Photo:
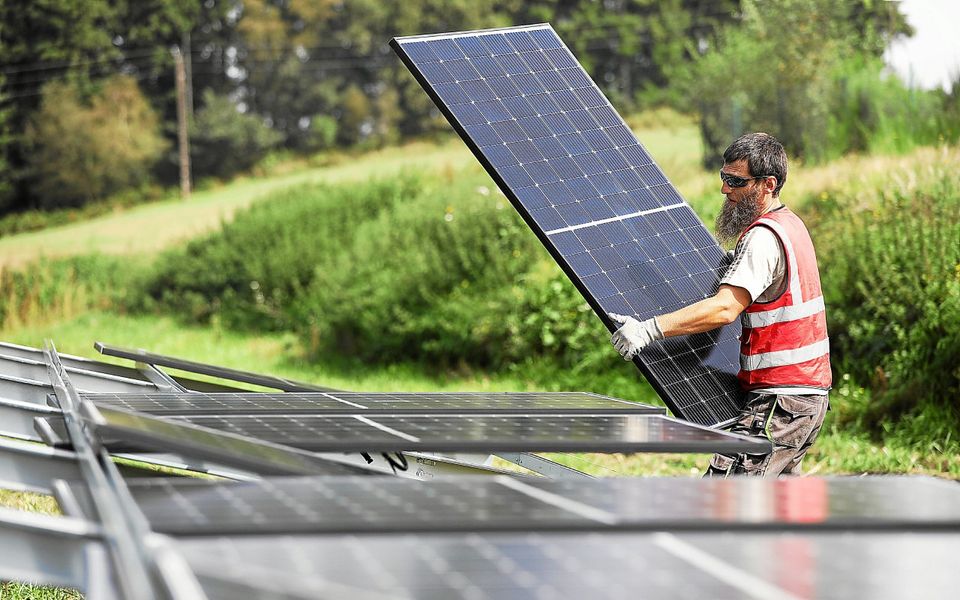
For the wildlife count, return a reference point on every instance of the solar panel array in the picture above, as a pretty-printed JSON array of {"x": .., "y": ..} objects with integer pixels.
[
  {"x": 579, "y": 177},
  {"x": 290, "y": 403}
]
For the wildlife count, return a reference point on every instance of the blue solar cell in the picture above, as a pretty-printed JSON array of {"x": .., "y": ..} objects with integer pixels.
[
  {"x": 436, "y": 73},
  {"x": 504, "y": 87},
  {"x": 558, "y": 122},
  {"x": 493, "y": 110},
  {"x": 547, "y": 218},
  {"x": 643, "y": 199},
  {"x": 467, "y": 114},
  {"x": 509, "y": 131},
  {"x": 496, "y": 43},
  {"x": 472, "y": 47},
  {"x": 592, "y": 238},
  {"x": 564, "y": 165},
  {"x": 605, "y": 116},
  {"x": 615, "y": 304},
  {"x": 612, "y": 160},
  {"x": 545, "y": 106},
  {"x": 582, "y": 120},
  {"x": 706, "y": 282},
  {"x": 686, "y": 219},
  {"x": 632, "y": 254},
  {"x": 487, "y": 66},
  {"x": 692, "y": 262},
  {"x": 639, "y": 228},
  {"x": 605, "y": 184},
  {"x": 666, "y": 194},
  {"x": 589, "y": 163},
  {"x": 573, "y": 213},
  {"x": 483, "y": 134},
  {"x": 567, "y": 100},
  {"x": 574, "y": 143},
  {"x": 533, "y": 197},
  {"x": 600, "y": 284},
  {"x": 677, "y": 242},
  {"x": 451, "y": 93},
  {"x": 651, "y": 174},
  {"x": 551, "y": 81},
  {"x": 576, "y": 78},
  {"x": 525, "y": 151},
  {"x": 519, "y": 107},
  {"x": 684, "y": 287},
  {"x": 713, "y": 255},
  {"x": 516, "y": 176},
  {"x": 499, "y": 156},
  {"x": 446, "y": 49},
  {"x": 477, "y": 91},
  {"x": 559, "y": 193},
  {"x": 583, "y": 264},
  {"x": 701, "y": 239},
  {"x": 629, "y": 179},
  {"x": 582, "y": 188},
  {"x": 420, "y": 52},
  {"x": 661, "y": 221},
  {"x": 567, "y": 243},
  {"x": 542, "y": 173},
  {"x": 654, "y": 247},
  {"x": 528, "y": 83},
  {"x": 622, "y": 204},
  {"x": 536, "y": 61},
  {"x": 608, "y": 259},
  {"x": 561, "y": 58},
  {"x": 546, "y": 38},
  {"x": 590, "y": 97},
  {"x": 615, "y": 232},
  {"x": 598, "y": 139},
  {"x": 622, "y": 137},
  {"x": 512, "y": 64},
  {"x": 636, "y": 155},
  {"x": 671, "y": 268},
  {"x": 534, "y": 127},
  {"x": 625, "y": 279},
  {"x": 599, "y": 210},
  {"x": 461, "y": 69},
  {"x": 522, "y": 41}
]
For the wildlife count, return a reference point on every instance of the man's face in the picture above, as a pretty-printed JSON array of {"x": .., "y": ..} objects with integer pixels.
[{"x": 742, "y": 206}]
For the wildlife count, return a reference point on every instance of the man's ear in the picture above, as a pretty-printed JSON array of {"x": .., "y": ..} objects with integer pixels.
[{"x": 770, "y": 184}]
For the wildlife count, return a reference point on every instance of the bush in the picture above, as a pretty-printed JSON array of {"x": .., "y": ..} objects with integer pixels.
[
  {"x": 224, "y": 141},
  {"x": 892, "y": 287},
  {"x": 85, "y": 150}
]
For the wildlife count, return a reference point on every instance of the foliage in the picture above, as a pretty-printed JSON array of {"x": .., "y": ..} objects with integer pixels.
[
  {"x": 224, "y": 141},
  {"x": 86, "y": 150},
  {"x": 893, "y": 292}
]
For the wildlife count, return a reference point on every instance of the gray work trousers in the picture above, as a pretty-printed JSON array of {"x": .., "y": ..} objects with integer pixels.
[{"x": 792, "y": 423}]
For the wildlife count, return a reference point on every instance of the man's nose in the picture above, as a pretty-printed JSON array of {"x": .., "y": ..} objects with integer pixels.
[{"x": 725, "y": 189}]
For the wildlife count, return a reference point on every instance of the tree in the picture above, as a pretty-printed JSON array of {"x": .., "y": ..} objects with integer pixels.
[{"x": 81, "y": 150}]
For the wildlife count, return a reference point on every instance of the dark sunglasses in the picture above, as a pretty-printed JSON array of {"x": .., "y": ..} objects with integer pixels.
[{"x": 738, "y": 182}]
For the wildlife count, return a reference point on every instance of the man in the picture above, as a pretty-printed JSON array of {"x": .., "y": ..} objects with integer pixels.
[{"x": 773, "y": 284}]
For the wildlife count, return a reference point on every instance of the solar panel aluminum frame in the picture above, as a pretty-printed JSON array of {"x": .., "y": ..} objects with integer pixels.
[{"x": 397, "y": 45}]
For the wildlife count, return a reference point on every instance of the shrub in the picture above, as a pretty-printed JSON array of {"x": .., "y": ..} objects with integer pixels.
[
  {"x": 83, "y": 150},
  {"x": 892, "y": 286},
  {"x": 224, "y": 141}
]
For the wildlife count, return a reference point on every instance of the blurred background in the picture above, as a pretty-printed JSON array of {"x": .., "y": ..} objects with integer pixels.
[{"x": 335, "y": 229}]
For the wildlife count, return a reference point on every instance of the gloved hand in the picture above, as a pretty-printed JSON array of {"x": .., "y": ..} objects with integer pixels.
[{"x": 633, "y": 335}]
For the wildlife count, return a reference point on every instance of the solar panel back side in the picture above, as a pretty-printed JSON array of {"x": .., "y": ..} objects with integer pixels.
[{"x": 580, "y": 179}]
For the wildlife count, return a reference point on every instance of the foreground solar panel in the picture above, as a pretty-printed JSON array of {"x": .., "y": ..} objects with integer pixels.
[
  {"x": 192, "y": 507},
  {"x": 290, "y": 403},
  {"x": 608, "y": 565},
  {"x": 591, "y": 192},
  {"x": 481, "y": 433}
]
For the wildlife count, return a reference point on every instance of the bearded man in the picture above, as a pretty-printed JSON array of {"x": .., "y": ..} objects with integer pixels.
[{"x": 773, "y": 285}]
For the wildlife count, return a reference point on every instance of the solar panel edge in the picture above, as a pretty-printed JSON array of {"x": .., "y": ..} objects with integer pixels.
[{"x": 543, "y": 236}]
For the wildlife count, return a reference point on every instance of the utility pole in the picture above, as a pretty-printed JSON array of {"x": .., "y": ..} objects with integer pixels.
[{"x": 182, "y": 140}]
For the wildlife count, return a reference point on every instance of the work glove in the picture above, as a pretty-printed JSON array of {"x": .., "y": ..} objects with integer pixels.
[{"x": 633, "y": 335}]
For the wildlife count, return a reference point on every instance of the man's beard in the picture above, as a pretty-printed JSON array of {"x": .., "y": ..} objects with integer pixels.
[{"x": 734, "y": 217}]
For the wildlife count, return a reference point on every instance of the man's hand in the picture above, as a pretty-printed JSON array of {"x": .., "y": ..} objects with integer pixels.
[{"x": 633, "y": 335}]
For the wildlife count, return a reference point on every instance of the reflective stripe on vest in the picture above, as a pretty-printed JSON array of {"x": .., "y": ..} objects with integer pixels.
[
  {"x": 783, "y": 314},
  {"x": 783, "y": 358}
]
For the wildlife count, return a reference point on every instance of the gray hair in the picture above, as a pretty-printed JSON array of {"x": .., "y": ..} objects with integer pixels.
[{"x": 765, "y": 156}]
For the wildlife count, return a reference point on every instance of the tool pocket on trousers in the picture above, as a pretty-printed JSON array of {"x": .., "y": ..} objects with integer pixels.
[{"x": 792, "y": 420}]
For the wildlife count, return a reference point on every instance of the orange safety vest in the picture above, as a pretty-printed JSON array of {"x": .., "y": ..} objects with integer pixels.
[{"x": 784, "y": 342}]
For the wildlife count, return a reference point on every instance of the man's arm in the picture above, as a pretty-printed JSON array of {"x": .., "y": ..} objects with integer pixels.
[{"x": 720, "y": 309}]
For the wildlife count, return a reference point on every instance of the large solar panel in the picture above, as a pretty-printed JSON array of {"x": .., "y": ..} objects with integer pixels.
[
  {"x": 483, "y": 433},
  {"x": 594, "y": 196},
  {"x": 604, "y": 565},
  {"x": 290, "y": 403},
  {"x": 191, "y": 507}
]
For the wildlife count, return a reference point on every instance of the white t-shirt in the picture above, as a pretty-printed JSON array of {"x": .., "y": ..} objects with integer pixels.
[{"x": 759, "y": 266}]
